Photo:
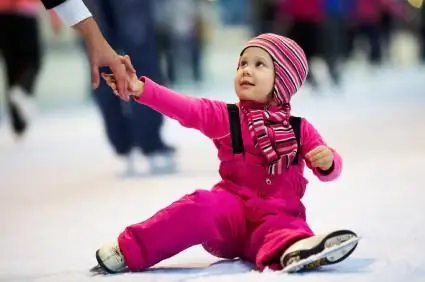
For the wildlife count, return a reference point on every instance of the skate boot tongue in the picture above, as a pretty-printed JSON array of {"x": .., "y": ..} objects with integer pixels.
[{"x": 110, "y": 258}]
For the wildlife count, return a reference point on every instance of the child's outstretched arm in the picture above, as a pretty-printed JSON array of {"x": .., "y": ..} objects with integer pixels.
[
  {"x": 208, "y": 116},
  {"x": 324, "y": 161}
]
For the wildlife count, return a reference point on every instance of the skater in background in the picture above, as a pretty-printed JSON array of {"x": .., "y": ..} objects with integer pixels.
[
  {"x": 130, "y": 125},
  {"x": 332, "y": 43},
  {"x": 304, "y": 22},
  {"x": 234, "y": 12},
  {"x": 179, "y": 25},
  {"x": 263, "y": 15},
  {"x": 365, "y": 19},
  {"x": 422, "y": 33},
  {"x": 20, "y": 45},
  {"x": 255, "y": 212},
  {"x": 75, "y": 14}
]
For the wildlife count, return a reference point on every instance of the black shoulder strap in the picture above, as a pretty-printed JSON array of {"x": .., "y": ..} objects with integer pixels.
[
  {"x": 296, "y": 127},
  {"x": 235, "y": 129},
  {"x": 236, "y": 133}
]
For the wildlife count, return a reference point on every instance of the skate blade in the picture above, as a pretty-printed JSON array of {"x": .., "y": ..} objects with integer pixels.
[
  {"x": 299, "y": 265},
  {"x": 97, "y": 270}
]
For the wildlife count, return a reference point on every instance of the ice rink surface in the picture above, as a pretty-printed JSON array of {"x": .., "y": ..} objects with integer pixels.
[{"x": 64, "y": 193}]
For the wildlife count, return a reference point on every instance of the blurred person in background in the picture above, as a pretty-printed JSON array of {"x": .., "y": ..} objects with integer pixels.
[
  {"x": 263, "y": 16},
  {"x": 129, "y": 126},
  {"x": 179, "y": 29},
  {"x": 303, "y": 22},
  {"x": 422, "y": 32},
  {"x": 365, "y": 18},
  {"x": 332, "y": 42},
  {"x": 164, "y": 42},
  {"x": 387, "y": 26},
  {"x": 20, "y": 45},
  {"x": 234, "y": 12}
]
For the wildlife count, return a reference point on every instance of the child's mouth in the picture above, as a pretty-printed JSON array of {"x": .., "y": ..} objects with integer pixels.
[{"x": 246, "y": 83}]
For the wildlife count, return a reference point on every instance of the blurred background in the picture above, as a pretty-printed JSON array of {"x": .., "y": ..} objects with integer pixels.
[
  {"x": 193, "y": 36},
  {"x": 80, "y": 152}
]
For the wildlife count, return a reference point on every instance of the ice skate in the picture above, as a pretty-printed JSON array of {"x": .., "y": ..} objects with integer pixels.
[
  {"x": 162, "y": 162},
  {"x": 319, "y": 250},
  {"x": 131, "y": 170},
  {"x": 110, "y": 259},
  {"x": 24, "y": 104}
]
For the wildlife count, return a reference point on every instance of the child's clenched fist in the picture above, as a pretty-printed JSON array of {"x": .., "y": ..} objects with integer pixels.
[{"x": 321, "y": 157}]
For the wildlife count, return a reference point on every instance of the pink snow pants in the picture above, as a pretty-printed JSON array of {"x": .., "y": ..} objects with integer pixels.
[{"x": 221, "y": 222}]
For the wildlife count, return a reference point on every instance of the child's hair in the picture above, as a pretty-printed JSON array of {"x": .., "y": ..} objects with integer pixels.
[{"x": 290, "y": 64}]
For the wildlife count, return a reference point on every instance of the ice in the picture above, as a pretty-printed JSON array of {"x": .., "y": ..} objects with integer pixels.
[{"x": 63, "y": 193}]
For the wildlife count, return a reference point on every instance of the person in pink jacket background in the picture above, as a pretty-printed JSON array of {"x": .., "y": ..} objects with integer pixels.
[{"x": 255, "y": 212}]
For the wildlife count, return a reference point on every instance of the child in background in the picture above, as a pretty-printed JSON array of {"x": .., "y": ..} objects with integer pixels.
[{"x": 255, "y": 212}]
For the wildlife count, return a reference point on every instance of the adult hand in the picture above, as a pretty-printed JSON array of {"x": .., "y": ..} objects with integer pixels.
[
  {"x": 101, "y": 54},
  {"x": 135, "y": 86}
]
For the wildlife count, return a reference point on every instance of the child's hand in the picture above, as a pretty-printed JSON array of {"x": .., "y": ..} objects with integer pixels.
[
  {"x": 321, "y": 157},
  {"x": 135, "y": 86}
]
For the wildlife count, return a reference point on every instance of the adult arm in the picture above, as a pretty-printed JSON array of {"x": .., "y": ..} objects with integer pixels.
[{"x": 75, "y": 14}]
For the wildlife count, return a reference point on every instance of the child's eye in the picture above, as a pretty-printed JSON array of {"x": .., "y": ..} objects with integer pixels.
[
  {"x": 259, "y": 64},
  {"x": 242, "y": 63}
]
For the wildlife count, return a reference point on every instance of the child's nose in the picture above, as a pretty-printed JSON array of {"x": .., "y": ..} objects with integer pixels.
[{"x": 247, "y": 71}]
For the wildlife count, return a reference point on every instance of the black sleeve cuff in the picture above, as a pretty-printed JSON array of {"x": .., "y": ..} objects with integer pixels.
[
  {"x": 49, "y": 4},
  {"x": 328, "y": 171}
]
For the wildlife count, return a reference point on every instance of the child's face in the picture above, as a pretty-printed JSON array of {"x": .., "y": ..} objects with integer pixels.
[{"x": 254, "y": 79}]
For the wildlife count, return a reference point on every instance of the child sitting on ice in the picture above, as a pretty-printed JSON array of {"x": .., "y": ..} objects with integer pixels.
[{"x": 255, "y": 212}]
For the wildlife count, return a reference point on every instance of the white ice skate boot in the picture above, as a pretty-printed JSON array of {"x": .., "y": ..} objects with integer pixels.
[
  {"x": 162, "y": 163},
  {"x": 110, "y": 258},
  {"x": 319, "y": 250},
  {"x": 25, "y": 104}
]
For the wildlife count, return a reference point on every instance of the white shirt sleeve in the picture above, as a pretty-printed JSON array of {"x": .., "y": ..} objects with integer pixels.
[{"x": 72, "y": 12}]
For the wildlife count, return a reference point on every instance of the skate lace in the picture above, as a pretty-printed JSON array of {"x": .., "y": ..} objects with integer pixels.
[{"x": 116, "y": 251}]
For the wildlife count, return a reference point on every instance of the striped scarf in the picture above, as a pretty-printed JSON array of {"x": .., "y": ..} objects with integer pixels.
[{"x": 269, "y": 126}]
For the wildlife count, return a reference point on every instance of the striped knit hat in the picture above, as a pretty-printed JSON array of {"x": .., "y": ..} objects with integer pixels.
[{"x": 270, "y": 128}]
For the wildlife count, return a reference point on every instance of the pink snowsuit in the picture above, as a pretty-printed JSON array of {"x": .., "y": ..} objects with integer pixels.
[{"x": 248, "y": 214}]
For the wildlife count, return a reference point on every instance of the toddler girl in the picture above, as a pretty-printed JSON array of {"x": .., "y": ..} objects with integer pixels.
[{"x": 255, "y": 212}]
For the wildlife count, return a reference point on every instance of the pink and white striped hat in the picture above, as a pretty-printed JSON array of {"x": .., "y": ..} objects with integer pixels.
[{"x": 290, "y": 64}]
